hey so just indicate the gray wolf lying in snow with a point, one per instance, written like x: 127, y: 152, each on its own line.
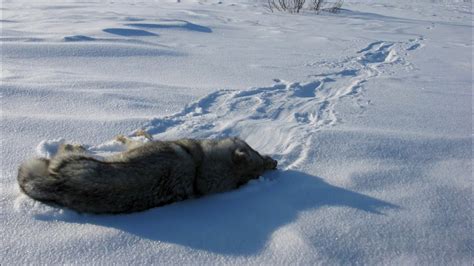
x: 144, y: 176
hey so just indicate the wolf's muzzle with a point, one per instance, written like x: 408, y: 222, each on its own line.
x: 270, y: 164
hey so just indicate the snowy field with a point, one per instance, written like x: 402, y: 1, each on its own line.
x: 368, y: 111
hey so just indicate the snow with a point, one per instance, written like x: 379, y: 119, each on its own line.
x: 368, y: 111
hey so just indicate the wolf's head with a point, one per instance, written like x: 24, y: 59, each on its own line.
x: 229, y: 163
x: 250, y: 161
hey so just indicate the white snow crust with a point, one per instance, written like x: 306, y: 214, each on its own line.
x: 368, y: 111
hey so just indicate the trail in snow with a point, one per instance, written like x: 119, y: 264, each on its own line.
x: 278, y: 119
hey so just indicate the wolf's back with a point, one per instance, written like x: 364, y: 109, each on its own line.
x: 35, y: 181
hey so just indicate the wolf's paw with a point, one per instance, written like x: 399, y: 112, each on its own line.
x: 71, y: 148
x: 143, y: 133
x: 122, y: 139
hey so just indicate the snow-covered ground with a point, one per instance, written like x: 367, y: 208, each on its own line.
x: 369, y: 112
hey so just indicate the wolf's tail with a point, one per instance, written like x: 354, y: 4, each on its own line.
x: 35, y: 181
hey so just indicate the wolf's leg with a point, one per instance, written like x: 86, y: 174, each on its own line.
x: 130, y: 143
x: 143, y: 133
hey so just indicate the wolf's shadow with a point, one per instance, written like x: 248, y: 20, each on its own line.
x: 238, y: 222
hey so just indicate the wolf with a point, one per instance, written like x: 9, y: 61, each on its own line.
x: 144, y: 176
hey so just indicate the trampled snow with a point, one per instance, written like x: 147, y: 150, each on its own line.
x: 368, y: 111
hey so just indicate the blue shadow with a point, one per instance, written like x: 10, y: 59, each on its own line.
x: 180, y: 24
x: 129, y: 32
x: 239, y: 222
x: 78, y: 38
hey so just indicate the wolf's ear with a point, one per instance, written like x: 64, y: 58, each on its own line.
x: 240, y: 156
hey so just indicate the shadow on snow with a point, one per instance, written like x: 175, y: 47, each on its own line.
x: 238, y: 222
x: 129, y: 32
x: 178, y: 24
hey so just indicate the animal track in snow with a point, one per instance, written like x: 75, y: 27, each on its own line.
x: 415, y: 44
x: 378, y: 52
x: 279, y: 119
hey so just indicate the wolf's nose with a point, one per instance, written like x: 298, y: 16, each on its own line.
x: 270, y: 163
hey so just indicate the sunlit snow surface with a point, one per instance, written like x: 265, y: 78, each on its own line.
x: 368, y: 111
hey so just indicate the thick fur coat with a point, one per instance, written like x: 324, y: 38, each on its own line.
x: 145, y: 176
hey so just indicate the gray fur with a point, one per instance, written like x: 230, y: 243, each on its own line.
x: 145, y: 176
